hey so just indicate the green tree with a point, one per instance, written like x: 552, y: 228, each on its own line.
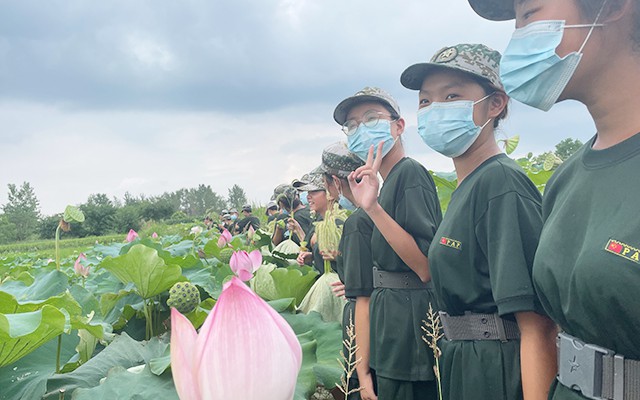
x: 22, y: 210
x: 157, y: 209
x: 567, y: 147
x: 197, y: 201
x: 7, y: 230
x: 99, y: 212
x: 237, y: 197
x: 127, y: 217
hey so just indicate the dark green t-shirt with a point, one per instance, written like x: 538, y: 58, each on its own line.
x: 587, y: 269
x: 354, y: 265
x: 397, y: 349
x: 251, y: 220
x: 481, y: 261
x: 303, y: 217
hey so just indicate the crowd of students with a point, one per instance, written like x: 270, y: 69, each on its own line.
x: 537, y: 295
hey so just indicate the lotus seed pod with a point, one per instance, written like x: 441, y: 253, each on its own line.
x: 225, y: 255
x: 184, y: 297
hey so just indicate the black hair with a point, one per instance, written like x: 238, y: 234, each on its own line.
x: 590, y: 9
x: 490, y: 89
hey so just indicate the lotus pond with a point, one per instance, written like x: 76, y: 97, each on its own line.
x: 98, y: 326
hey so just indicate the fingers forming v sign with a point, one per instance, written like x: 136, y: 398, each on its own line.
x: 364, y: 180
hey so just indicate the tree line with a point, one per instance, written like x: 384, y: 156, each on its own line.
x: 21, y: 218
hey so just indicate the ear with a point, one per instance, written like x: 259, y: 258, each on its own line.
x: 615, y: 10
x: 399, y: 126
x: 497, y: 104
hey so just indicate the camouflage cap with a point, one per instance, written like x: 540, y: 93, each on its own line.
x: 285, y: 189
x: 338, y: 160
x: 476, y: 59
x: 314, y: 182
x: 494, y: 10
x: 368, y: 94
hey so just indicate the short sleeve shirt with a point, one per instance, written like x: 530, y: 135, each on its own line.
x: 397, y: 349
x: 481, y: 261
x: 482, y: 258
x: 354, y: 265
x: 587, y: 269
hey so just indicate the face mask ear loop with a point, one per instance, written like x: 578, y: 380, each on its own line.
x: 592, y: 27
x: 484, y: 98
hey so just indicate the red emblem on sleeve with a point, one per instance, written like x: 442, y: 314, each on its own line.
x: 614, y: 247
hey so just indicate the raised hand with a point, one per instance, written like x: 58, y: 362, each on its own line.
x: 364, y: 182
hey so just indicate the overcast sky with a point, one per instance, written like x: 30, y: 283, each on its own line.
x: 156, y: 95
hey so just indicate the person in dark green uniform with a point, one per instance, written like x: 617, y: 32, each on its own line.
x: 586, y: 269
x: 482, y: 255
x: 318, y: 204
x: 353, y: 262
x: 405, y: 215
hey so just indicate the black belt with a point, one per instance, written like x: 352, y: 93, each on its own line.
x: 597, y: 372
x: 472, y: 326
x: 397, y: 280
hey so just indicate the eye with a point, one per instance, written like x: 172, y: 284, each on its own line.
x: 529, y: 13
x: 451, y: 96
x: 423, y: 102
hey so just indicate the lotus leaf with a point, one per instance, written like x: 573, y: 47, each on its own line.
x: 145, y: 269
x: 22, y: 333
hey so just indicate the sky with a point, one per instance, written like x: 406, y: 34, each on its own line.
x: 150, y: 96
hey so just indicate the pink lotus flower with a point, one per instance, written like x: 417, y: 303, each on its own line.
x: 154, y: 235
x: 245, y: 264
x: 245, y: 350
x: 224, y: 239
x: 79, y: 268
x: 132, y: 235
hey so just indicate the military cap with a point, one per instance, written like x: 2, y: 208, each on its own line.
x: 314, y: 183
x: 338, y: 160
x: 368, y: 94
x: 476, y: 59
x: 495, y: 10
x: 285, y: 189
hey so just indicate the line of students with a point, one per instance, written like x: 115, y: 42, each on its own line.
x: 511, y: 273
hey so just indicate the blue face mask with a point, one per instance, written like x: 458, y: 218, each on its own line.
x: 530, y: 69
x: 448, y: 128
x: 345, y: 203
x: 234, y: 217
x: 365, y: 137
x: 303, y: 198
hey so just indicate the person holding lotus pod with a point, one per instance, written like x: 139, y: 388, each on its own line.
x: 498, y: 342
x: 405, y: 216
x: 587, y: 266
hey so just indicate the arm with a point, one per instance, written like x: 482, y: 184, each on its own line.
x: 278, y: 234
x: 363, y: 342
x: 537, y: 354
x: 400, y: 241
x: 366, y: 194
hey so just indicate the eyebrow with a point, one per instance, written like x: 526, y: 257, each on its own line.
x: 452, y: 85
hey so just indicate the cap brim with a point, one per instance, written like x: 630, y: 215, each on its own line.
x: 342, y: 109
x: 413, y: 76
x: 494, y: 10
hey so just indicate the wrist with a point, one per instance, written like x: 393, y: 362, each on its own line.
x: 374, y: 209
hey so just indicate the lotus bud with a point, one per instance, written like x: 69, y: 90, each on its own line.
x: 132, y: 235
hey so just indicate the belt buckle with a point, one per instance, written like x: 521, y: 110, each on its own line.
x: 580, y: 365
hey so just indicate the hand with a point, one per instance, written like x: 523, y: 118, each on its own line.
x: 337, y: 288
x: 366, y: 383
x: 364, y: 180
x: 302, y: 257
x: 329, y: 255
x: 293, y: 225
